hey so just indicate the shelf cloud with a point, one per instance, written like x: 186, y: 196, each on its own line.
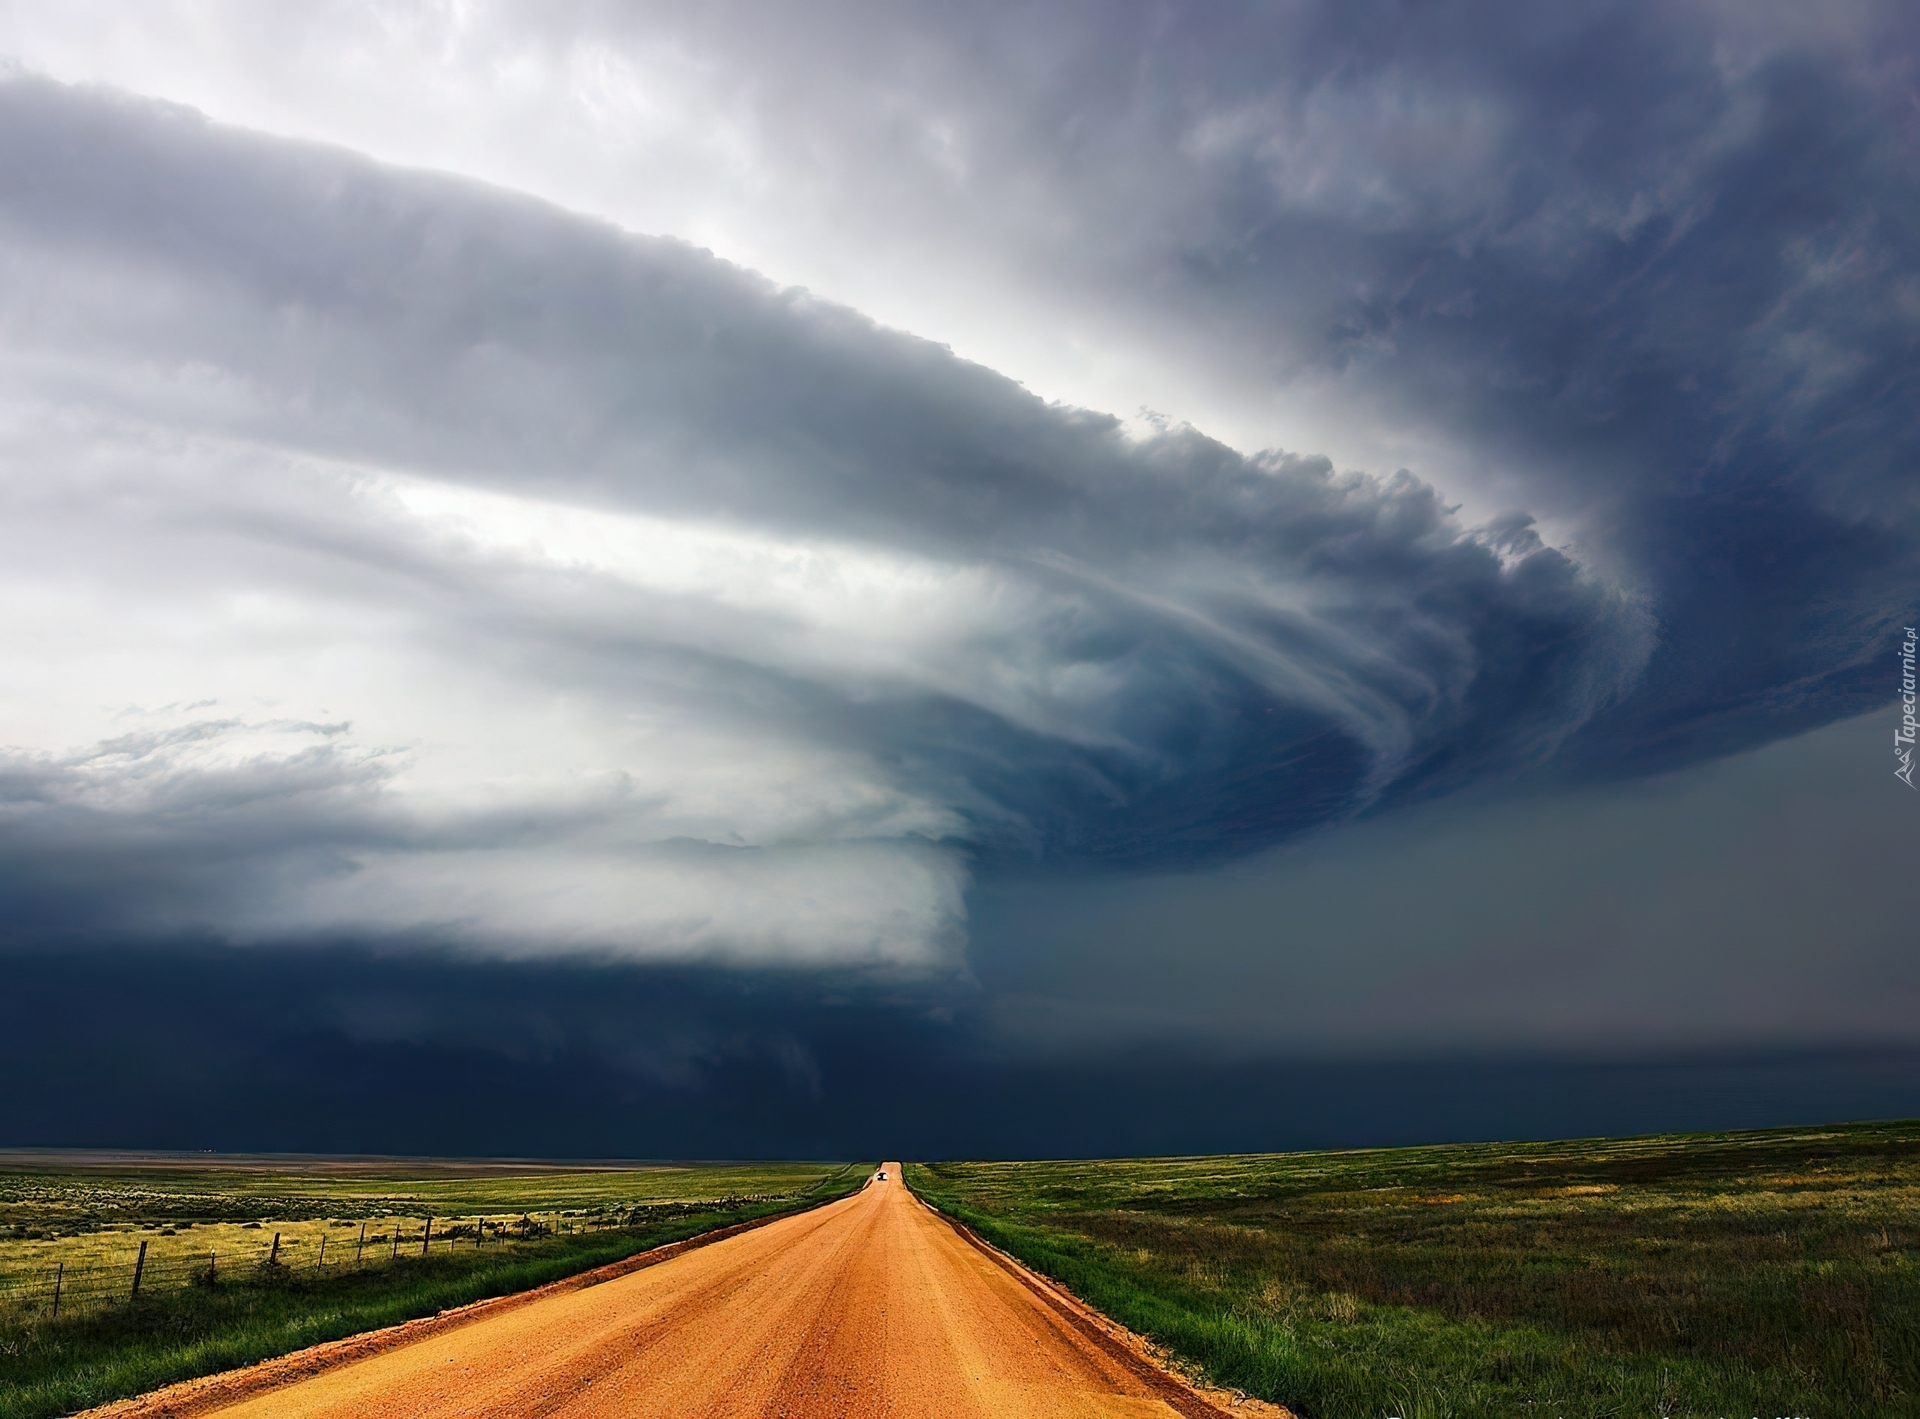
x: 393, y: 554
x: 561, y: 589
x: 1095, y: 576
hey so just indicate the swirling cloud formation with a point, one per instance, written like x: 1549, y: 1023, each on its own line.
x: 392, y: 555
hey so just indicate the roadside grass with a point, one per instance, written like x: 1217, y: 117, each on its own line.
x: 92, y: 1214
x: 95, y: 1354
x: 1765, y: 1273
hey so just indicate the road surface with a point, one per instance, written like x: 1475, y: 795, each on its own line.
x: 870, y: 1306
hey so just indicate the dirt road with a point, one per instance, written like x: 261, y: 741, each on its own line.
x: 870, y: 1306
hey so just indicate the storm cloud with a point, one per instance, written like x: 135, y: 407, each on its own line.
x: 817, y: 609
x: 1053, y: 455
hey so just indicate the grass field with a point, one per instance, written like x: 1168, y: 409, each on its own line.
x: 498, y: 1227
x: 1770, y: 1273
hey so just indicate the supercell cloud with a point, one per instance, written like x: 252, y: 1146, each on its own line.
x: 393, y: 556
x: 422, y: 558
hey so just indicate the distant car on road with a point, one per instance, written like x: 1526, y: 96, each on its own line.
x: 880, y: 1176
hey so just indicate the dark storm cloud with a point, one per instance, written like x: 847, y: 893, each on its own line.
x: 128, y: 836
x: 1189, y: 652
x: 1648, y: 269
x: 1762, y: 900
x: 1644, y: 273
x: 343, y: 1050
x: 1690, y: 301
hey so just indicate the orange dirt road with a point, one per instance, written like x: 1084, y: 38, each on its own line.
x: 874, y: 1305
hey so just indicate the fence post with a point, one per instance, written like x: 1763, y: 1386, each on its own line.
x: 139, y: 1265
x: 323, y: 1252
x: 273, y: 1257
x: 211, y: 1259
x: 396, y: 1240
x: 426, y: 1236
x: 59, y: 1275
x: 360, y: 1246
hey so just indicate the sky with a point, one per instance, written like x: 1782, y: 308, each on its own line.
x: 995, y: 580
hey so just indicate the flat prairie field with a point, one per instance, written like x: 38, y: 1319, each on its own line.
x: 1735, y: 1274
x: 120, y: 1272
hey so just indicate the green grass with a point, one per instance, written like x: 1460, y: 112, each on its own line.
x: 1769, y: 1273
x: 97, y: 1353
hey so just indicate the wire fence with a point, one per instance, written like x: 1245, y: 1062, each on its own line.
x: 59, y: 1286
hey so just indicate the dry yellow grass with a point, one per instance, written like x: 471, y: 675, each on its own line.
x: 84, y: 1217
